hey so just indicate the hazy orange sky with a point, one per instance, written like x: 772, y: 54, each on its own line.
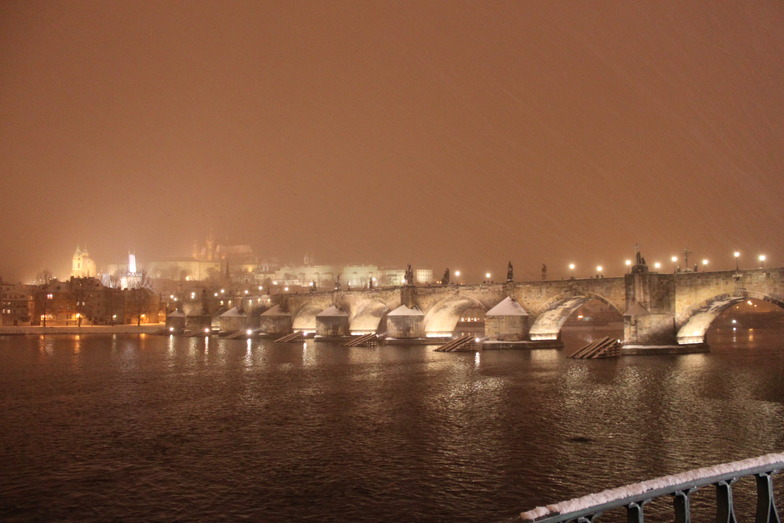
x: 460, y: 134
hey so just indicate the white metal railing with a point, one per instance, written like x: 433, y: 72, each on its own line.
x: 633, y: 497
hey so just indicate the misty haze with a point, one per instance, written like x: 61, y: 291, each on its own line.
x: 391, y: 261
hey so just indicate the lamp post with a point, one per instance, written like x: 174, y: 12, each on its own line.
x: 599, y: 269
x: 674, y: 261
x: 571, y: 268
x: 629, y: 265
x: 762, y: 259
x: 704, y: 264
x: 457, y: 277
x: 487, y: 277
x: 657, y: 266
x: 736, y: 254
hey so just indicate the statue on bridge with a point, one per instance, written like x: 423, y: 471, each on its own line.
x: 337, y: 283
x: 409, y: 276
x: 509, y: 273
x: 640, y: 266
x: 445, y: 278
x: 544, y: 272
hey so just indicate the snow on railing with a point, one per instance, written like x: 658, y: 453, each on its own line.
x: 635, y: 495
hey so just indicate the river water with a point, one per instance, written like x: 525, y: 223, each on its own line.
x: 159, y: 428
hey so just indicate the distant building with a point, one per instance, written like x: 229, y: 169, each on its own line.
x: 351, y: 276
x: 210, y: 261
x: 396, y: 277
x: 128, y: 276
x: 82, y: 265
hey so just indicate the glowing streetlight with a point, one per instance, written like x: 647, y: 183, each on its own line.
x: 704, y: 262
x: 571, y: 268
x: 762, y: 259
x: 736, y: 254
x: 457, y: 273
x: 657, y: 266
x: 599, y: 269
x: 629, y: 264
x: 487, y: 276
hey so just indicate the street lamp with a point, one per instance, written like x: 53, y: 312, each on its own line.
x: 571, y: 268
x: 599, y: 271
x: 674, y: 261
x: 737, y: 255
x: 657, y: 266
x: 629, y: 264
x: 762, y: 259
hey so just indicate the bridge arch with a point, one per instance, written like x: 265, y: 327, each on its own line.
x: 369, y: 318
x: 696, y: 320
x: 441, y: 319
x: 548, y: 323
x: 305, y: 318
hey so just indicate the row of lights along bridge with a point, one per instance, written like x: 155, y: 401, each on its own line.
x: 599, y: 270
x: 675, y: 267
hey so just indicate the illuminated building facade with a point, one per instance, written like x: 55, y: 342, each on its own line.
x: 15, y: 301
x: 86, y: 301
x: 82, y: 265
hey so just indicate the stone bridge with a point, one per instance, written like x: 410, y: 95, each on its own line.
x: 670, y: 312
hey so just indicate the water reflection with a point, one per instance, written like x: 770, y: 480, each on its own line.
x: 251, y: 429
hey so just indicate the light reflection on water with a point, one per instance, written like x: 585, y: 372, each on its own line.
x: 127, y: 427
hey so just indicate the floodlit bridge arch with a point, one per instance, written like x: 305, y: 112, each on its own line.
x: 368, y: 318
x: 547, y: 325
x: 698, y: 319
x: 442, y: 318
x: 305, y: 318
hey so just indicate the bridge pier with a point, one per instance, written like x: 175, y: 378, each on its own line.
x: 649, y: 325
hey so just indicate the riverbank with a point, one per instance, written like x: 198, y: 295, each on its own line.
x: 147, y: 328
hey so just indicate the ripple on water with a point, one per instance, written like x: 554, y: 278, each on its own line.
x: 178, y: 430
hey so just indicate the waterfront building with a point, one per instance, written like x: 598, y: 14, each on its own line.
x: 15, y: 301
x: 86, y: 301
